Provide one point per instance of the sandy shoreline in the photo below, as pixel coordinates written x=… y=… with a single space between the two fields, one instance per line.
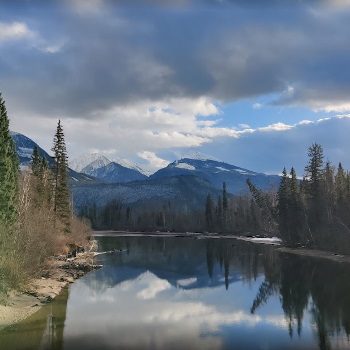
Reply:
x=40 y=291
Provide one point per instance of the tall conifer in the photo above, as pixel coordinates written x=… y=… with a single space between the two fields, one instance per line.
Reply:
x=60 y=171
x=9 y=169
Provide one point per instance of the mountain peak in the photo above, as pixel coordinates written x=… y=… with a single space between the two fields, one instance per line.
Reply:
x=195 y=155
x=95 y=160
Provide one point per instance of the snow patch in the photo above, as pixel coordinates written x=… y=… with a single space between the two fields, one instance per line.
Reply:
x=270 y=240
x=222 y=169
x=85 y=160
x=25 y=152
x=185 y=166
x=244 y=172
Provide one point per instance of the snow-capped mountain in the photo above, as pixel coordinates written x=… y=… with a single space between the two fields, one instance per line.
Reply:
x=217 y=172
x=25 y=146
x=93 y=161
x=114 y=173
x=99 y=166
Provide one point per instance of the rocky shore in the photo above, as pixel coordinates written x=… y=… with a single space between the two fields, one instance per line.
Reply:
x=58 y=273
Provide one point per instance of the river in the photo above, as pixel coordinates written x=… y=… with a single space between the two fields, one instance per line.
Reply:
x=185 y=293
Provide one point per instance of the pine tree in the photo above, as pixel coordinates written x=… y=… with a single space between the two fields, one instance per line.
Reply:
x=283 y=207
x=297 y=223
x=340 y=192
x=36 y=162
x=264 y=202
x=329 y=191
x=41 y=179
x=219 y=213
x=224 y=206
x=60 y=171
x=209 y=217
x=9 y=169
x=314 y=175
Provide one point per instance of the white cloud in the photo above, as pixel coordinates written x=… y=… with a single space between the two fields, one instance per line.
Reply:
x=154 y=162
x=276 y=127
x=268 y=149
x=257 y=105
x=331 y=107
x=14 y=31
x=244 y=126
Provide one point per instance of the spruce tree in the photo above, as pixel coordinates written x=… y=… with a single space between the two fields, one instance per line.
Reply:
x=224 y=206
x=60 y=171
x=297 y=224
x=36 y=162
x=209 y=217
x=340 y=190
x=283 y=207
x=219 y=213
x=329 y=191
x=314 y=175
x=9 y=169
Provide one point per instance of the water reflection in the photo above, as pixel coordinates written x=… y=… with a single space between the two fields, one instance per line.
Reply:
x=43 y=330
x=171 y=293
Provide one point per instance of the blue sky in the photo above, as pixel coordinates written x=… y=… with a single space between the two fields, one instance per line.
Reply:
x=251 y=83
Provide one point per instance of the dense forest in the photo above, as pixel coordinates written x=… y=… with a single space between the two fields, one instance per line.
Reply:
x=36 y=218
x=311 y=211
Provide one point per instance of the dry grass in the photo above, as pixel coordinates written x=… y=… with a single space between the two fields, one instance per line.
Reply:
x=37 y=234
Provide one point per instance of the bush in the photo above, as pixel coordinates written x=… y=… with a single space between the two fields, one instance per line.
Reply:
x=36 y=235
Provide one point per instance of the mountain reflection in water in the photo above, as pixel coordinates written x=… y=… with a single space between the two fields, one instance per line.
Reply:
x=179 y=293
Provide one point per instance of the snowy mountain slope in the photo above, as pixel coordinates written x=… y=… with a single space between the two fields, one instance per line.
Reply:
x=105 y=170
x=25 y=147
x=93 y=161
x=114 y=173
x=216 y=172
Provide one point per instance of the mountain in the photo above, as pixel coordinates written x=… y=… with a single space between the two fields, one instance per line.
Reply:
x=216 y=172
x=102 y=168
x=25 y=147
x=114 y=173
x=93 y=160
x=184 y=191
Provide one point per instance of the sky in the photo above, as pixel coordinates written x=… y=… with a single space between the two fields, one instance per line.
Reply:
x=251 y=83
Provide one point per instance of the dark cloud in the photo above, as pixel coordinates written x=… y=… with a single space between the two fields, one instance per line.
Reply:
x=86 y=59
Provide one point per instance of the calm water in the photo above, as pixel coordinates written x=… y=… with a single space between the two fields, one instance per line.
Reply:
x=177 y=293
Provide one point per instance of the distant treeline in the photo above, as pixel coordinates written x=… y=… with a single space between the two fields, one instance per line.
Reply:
x=312 y=211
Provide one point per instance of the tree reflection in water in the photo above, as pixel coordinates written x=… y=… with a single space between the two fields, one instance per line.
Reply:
x=302 y=284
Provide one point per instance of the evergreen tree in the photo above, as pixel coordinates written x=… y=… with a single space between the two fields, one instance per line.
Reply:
x=314 y=175
x=42 y=179
x=297 y=223
x=283 y=207
x=9 y=169
x=264 y=202
x=224 y=206
x=60 y=171
x=36 y=162
x=209 y=215
x=340 y=192
x=329 y=191
x=219 y=215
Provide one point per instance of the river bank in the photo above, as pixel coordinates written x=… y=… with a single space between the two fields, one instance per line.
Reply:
x=58 y=273
x=307 y=252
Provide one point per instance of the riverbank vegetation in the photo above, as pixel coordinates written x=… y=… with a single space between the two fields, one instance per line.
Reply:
x=310 y=211
x=36 y=218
